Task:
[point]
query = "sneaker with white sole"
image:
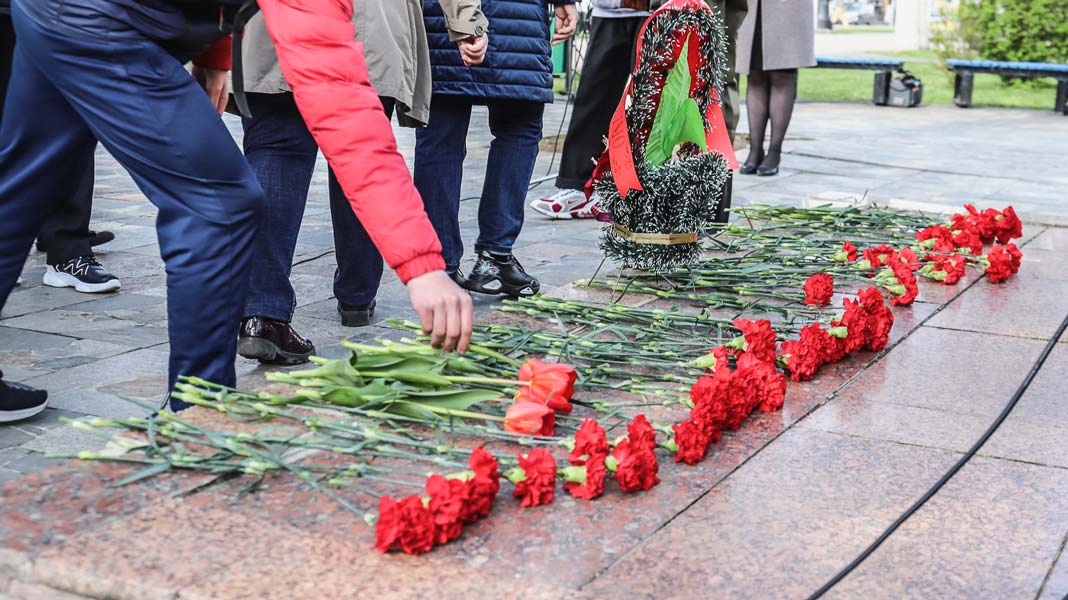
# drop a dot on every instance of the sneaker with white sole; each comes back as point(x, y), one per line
point(82, 273)
point(566, 204)
point(18, 402)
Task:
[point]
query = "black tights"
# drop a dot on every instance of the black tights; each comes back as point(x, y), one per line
point(769, 95)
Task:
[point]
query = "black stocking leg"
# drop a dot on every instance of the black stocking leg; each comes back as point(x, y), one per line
point(757, 100)
point(783, 95)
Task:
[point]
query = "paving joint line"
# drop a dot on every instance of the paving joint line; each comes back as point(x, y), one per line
point(1052, 566)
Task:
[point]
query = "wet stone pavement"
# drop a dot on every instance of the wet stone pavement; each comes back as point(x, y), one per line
point(773, 512)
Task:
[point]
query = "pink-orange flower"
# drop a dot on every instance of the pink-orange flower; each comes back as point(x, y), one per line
point(530, 418)
point(551, 384)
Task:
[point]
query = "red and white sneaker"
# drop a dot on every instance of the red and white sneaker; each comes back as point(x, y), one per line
point(566, 204)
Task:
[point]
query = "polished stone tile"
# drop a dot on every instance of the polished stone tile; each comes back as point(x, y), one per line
point(1024, 306)
point(797, 512)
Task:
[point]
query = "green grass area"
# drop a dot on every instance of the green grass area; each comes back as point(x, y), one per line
point(990, 90)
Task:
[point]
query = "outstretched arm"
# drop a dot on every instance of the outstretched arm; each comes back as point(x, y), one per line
point(325, 67)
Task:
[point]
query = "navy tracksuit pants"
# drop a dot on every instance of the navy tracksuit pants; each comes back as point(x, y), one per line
point(72, 83)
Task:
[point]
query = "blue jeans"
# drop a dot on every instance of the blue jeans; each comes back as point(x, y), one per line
point(282, 153)
point(104, 79)
point(440, 149)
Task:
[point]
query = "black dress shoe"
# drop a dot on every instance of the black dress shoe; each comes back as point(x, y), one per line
point(770, 165)
point(96, 238)
point(497, 274)
point(272, 342)
point(752, 162)
point(458, 277)
point(356, 315)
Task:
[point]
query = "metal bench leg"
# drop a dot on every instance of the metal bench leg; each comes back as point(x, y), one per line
point(962, 89)
point(881, 92)
point(1062, 97)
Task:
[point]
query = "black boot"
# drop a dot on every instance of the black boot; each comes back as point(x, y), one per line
point(273, 342)
point(498, 274)
point(19, 401)
point(356, 315)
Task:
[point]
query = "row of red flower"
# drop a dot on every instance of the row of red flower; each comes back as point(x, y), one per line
point(720, 400)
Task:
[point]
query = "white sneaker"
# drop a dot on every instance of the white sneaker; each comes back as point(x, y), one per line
point(566, 204)
point(84, 274)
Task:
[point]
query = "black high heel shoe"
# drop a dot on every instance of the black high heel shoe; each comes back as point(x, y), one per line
point(769, 166)
point(750, 168)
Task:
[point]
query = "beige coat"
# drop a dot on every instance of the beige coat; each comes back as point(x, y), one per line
point(788, 32)
point(395, 47)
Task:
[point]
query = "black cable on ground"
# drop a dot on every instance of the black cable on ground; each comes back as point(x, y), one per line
point(953, 470)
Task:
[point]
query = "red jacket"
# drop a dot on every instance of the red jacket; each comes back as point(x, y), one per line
point(325, 67)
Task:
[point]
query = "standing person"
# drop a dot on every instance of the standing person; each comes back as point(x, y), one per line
point(515, 83)
point(776, 40)
point(609, 60)
point(65, 235)
point(113, 70)
point(282, 153)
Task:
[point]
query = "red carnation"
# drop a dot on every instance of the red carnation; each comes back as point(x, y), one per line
point(408, 524)
point(590, 440)
point(1001, 264)
point(767, 384)
point(909, 257)
point(983, 222)
point(759, 338)
point(691, 441)
point(551, 384)
point(947, 269)
point(1009, 226)
point(819, 289)
point(968, 239)
point(449, 503)
point(635, 467)
point(530, 418)
point(942, 236)
point(848, 253)
point(904, 277)
point(1015, 255)
point(857, 324)
point(586, 481)
point(641, 432)
point(534, 478)
point(881, 318)
point(806, 355)
point(878, 255)
point(483, 484)
point(710, 396)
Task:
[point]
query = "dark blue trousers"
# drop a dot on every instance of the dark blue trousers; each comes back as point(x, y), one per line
point(440, 150)
point(73, 82)
point(282, 153)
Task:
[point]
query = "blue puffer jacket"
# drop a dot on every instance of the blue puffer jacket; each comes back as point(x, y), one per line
point(518, 64)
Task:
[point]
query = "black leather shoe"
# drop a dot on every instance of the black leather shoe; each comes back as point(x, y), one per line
point(752, 162)
point(355, 315)
point(497, 274)
point(770, 165)
point(458, 277)
point(272, 342)
point(96, 238)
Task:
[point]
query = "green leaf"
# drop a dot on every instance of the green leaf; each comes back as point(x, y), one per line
point(670, 115)
point(151, 471)
point(454, 399)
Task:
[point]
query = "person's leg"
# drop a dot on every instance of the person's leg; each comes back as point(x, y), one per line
point(609, 58)
point(39, 160)
point(157, 122)
point(781, 109)
point(359, 264)
point(282, 153)
point(517, 130)
point(440, 149)
point(7, 52)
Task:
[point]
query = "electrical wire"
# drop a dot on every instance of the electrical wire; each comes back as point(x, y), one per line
point(953, 470)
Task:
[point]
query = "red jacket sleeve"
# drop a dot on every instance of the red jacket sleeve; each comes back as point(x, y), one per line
point(216, 57)
point(325, 67)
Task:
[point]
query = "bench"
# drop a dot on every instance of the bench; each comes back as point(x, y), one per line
point(966, 70)
point(884, 71)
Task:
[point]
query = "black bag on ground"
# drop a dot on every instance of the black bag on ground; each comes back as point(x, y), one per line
point(906, 91)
